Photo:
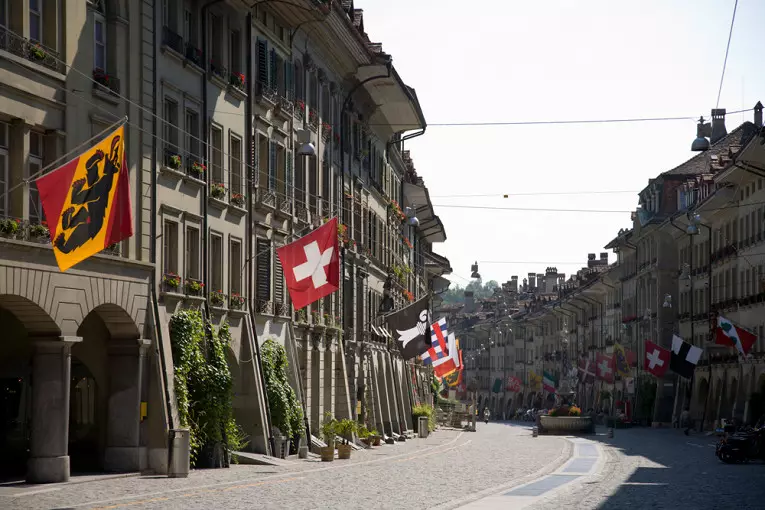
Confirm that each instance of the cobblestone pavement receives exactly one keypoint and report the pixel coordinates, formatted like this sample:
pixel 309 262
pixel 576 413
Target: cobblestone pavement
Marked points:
pixel 447 470
pixel 662 468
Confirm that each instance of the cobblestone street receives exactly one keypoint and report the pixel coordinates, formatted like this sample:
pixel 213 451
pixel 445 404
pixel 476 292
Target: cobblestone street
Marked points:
pixel 497 457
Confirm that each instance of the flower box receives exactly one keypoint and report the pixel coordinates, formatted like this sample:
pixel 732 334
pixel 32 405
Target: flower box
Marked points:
pixel 237 80
pixel 101 77
pixel 39 232
pixel 171 281
pixel 197 170
pixel 217 298
pixel 10 227
pixel 36 52
pixel 173 161
pixel 218 190
pixel 236 302
pixel 193 287
pixel 237 199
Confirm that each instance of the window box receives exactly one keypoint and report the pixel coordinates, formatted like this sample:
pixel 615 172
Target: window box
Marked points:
pixel 219 74
pixel 193 287
pixel 172 41
pixel 193 55
pixel 237 81
pixel 39 233
pixel 197 170
pixel 173 161
pixel 237 302
pixel 217 298
pixel 265 93
pixel 171 282
pixel 313 120
pixel 238 200
pixel 37 53
pixel 11 228
pixel 218 191
pixel 299 111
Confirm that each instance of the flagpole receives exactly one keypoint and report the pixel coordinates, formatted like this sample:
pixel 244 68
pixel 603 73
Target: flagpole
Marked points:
pixel 55 162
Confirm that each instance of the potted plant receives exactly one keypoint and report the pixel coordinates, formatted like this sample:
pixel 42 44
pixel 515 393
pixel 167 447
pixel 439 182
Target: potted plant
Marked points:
pixel 236 301
pixel 345 428
pixel 9 227
pixel 315 317
pixel 301 316
pixel 193 287
pixel 39 231
pixel 174 161
pixel 374 437
pixel 217 298
pixel 37 52
pixel 171 281
pixel 237 199
pixel 237 80
pixel 217 190
pixel 363 434
pixel 197 170
pixel 328 432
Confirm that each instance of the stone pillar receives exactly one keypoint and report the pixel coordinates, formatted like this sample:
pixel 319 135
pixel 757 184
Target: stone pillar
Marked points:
pixel 304 356
pixel 343 407
pixel 123 424
pixel 329 374
pixel 317 379
pixel 51 377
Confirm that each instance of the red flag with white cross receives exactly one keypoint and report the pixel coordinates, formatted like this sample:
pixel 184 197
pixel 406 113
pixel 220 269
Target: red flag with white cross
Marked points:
pixel 605 367
pixel 656 359
pixel 311 265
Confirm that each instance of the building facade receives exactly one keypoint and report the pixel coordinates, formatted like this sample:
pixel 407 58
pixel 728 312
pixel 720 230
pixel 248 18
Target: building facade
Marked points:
pixel 244 131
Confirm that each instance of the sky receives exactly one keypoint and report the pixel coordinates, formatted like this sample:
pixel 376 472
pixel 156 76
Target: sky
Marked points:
pixel 520 60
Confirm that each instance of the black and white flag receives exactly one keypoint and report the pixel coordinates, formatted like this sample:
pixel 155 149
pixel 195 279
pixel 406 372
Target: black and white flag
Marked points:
pixel 411 328
pixel 684 358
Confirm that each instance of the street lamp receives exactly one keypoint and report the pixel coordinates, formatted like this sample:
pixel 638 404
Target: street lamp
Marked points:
pixel 474 269
pixel 703 132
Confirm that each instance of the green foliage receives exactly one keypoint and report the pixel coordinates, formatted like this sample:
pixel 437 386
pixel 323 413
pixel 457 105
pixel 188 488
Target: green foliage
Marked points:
pixel 286 412
pixel 203 382
pixel 362 431
pixel 329 428
pixel 456 293
pixel 346 428
pixel 425 410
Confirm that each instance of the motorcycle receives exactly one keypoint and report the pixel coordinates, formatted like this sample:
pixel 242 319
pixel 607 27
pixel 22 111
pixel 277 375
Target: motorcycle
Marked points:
pixel 741 446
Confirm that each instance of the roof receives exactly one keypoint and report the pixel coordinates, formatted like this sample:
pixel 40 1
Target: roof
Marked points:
pixel 733 141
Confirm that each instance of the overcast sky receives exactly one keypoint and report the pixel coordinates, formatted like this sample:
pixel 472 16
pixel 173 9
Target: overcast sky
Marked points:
pixel 522 60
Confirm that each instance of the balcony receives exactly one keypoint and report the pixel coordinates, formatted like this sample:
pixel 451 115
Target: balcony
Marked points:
pixel 172 41
pixel 264 93
pixel 219 74
pixel 32 51
pixel 23 230
pixel 193 55
pixel 105 86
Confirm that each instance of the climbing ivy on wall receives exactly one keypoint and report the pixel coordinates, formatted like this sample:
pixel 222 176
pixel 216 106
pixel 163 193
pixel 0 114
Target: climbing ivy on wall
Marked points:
pixel 203 383
pixel 286 412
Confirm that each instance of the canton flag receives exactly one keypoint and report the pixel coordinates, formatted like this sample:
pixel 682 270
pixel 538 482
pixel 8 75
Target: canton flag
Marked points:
pixel 438 348
pixel 684 358
pixel 411 328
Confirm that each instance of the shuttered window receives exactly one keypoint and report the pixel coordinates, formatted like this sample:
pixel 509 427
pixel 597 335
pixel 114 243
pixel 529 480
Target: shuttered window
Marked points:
pixel 271 165
pixel 278 281
pixel 263 270
pixel 262 62
pixel 326 186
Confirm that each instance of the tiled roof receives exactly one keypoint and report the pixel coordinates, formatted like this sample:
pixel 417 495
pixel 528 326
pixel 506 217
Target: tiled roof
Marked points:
pixel 731 142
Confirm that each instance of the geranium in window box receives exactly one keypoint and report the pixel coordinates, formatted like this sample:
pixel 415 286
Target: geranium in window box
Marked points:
pixel 407 242
pixel 193 287
pixel 36 52
pixel 101 76
pixel 237 199
pixel 218 190
pixel 408 295
pixel 301 316
pixel 171 281
pixel 9 227
pixel 237 80
pixel 236 301
pixel 198 169
pixel 39 231
pixel 174 161
pixel 217 298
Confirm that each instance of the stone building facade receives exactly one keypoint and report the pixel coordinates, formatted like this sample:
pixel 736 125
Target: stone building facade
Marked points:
pixel 219 99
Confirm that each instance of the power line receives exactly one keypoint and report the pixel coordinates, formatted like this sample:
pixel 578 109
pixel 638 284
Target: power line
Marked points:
pixel 535 194
pixel 600 211
pixel 727 48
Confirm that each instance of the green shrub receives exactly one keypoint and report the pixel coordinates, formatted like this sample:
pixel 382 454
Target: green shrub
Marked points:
pixel 286 411
pixel 425 410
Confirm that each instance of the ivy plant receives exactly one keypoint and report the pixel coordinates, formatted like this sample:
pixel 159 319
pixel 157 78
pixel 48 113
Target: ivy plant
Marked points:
pixel 286 411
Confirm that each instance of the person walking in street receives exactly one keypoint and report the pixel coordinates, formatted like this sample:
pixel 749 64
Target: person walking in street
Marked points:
pixel 486 415
pixel 685 420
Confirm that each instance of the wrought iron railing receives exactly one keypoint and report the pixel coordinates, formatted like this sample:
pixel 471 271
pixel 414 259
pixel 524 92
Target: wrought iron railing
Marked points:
pixel 33 51
pixel 172 40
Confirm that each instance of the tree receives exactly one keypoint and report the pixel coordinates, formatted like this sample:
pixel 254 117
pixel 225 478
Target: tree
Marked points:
pixel 456 294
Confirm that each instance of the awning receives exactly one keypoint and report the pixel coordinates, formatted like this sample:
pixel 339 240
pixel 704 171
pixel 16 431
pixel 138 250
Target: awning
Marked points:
pixel 431 227
pixel 440 284
pixel 397 103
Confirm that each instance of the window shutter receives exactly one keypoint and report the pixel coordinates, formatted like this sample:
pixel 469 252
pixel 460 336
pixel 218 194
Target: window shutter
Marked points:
pixel 278 281
pixel 263 283
pixel 271 165
pixel 262 62
pixel 272 71
pixel 290 183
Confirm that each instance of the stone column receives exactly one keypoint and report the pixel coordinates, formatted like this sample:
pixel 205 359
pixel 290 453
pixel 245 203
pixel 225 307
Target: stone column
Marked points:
pixel 304 356
pixel 317 369
pixel 123 432
pixel 329 373
pixel 51 378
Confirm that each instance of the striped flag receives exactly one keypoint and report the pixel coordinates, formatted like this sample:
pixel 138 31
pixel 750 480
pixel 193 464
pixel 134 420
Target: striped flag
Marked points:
pixel 438 349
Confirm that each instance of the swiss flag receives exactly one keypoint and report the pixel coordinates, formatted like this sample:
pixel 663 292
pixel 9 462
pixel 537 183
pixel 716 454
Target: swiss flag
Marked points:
pixel 605 367
pixel 311 265
pixel 656 359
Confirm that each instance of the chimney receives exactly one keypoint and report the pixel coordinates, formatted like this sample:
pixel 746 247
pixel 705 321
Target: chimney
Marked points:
pixel 590 256
pixel 758 114
pixel 532 280
pixel 469 302
pixel 718 125
pixel 525 285
pixel 604 256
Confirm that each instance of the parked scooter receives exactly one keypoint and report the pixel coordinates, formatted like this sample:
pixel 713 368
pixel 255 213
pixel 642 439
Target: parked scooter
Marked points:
pixel 741 446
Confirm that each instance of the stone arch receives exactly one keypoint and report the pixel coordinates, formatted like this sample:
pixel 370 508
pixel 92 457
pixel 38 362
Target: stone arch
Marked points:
pixel 36 320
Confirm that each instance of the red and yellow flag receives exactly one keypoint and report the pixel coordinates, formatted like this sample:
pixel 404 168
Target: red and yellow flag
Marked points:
pixel 87 201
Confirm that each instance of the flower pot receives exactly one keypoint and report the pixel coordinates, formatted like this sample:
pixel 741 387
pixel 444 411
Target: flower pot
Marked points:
pixel 376 441
pixel 344 451
pixel 327 453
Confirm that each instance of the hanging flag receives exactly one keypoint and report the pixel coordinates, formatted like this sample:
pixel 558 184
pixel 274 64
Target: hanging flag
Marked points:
pixel 605 367
pixel 621 361
pixel 311 265
pixel 497 387
pixel 549 382
pixel 411 328
pixel 447 364
pixel 535 381
pixel 513 384
pixel 729 334
pixel 656 359
pixel 438 348
pixel 453 348
pixel 684 358
pixel 87 201
pixel 586 371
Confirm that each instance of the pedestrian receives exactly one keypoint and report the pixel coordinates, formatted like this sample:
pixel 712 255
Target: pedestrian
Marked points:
pixel 685 420
pixel 486 414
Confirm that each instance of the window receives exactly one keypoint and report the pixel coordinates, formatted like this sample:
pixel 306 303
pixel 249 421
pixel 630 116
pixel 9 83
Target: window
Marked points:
pixel 235 267
pixel 192 253
pixel 99 40
pixel 35 165
pixel 216 140
pixel 170 14
pixel 192 136
pixel 216 263
pixel 4 209
pixel 235 164
pixel 171 126
pixel 35 20
pixel 235 52
pixel 278 281
pixel 216 43
pixel 190 27
pixel 170 247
